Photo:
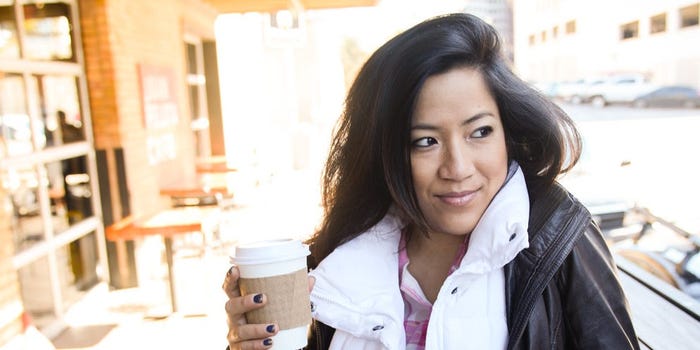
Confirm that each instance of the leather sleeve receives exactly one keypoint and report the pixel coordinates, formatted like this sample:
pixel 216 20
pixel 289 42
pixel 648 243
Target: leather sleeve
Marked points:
pixel 595 309
pixel 320 336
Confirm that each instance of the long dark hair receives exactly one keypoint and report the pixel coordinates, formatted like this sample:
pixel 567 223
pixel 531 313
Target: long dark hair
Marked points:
pixel 368 168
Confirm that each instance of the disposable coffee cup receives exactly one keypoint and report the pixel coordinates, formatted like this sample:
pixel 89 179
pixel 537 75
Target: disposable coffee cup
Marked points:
pixel 278 269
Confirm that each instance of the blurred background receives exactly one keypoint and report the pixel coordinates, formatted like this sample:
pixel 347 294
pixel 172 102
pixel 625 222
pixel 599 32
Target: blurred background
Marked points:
pixel 142 140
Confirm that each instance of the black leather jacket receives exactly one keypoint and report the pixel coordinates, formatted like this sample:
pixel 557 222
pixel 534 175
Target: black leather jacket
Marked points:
pixel 562 292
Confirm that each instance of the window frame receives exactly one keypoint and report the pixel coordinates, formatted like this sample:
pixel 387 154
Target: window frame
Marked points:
pixel 571 27
pixel 629 30
pixel 686 13
pixel 655 26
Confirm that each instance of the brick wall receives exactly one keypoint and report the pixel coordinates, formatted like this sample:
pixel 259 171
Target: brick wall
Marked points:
pixel 10 302
pixel 118 36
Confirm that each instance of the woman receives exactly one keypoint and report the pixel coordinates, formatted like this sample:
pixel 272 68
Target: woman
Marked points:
pixel 444 227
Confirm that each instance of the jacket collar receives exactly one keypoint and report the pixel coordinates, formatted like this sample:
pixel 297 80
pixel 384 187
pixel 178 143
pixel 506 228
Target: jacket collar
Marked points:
pixel 358 283
pixel 356 289
pixel 502 230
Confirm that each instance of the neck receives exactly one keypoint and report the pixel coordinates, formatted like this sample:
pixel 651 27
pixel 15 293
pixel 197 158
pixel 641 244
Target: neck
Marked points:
pixel 435 244
pixel 431 258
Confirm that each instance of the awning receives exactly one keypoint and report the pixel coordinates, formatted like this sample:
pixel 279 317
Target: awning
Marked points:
pixel 229 6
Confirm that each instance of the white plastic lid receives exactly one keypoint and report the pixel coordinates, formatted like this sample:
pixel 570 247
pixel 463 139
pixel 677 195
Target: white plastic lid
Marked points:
pixel 271 251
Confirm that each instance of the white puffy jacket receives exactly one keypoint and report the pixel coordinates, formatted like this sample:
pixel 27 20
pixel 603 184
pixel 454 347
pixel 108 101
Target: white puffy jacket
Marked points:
pixel 357 288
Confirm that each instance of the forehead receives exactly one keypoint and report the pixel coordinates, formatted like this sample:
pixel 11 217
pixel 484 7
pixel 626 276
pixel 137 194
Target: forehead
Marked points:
pixel 460 92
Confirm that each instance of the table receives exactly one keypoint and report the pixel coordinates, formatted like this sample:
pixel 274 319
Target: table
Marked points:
pixel 214 164
pixel 166 223
pixel 197 190
pixel 654 305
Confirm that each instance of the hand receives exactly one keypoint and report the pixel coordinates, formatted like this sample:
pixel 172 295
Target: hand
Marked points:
pixel 241 335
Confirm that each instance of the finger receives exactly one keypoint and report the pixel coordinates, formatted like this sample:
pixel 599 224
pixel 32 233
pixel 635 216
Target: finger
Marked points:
pixel 237 306
pixel 253 332
pixel 259 344
pixel 230 285
pixel 255 336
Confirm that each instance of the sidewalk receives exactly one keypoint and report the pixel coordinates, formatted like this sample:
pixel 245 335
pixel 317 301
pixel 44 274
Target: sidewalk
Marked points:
pixel 139 318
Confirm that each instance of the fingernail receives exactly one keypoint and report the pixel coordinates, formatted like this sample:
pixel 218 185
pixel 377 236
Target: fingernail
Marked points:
pixel 229 271
pixel 270 328
pixel 267 342
pixel 258 298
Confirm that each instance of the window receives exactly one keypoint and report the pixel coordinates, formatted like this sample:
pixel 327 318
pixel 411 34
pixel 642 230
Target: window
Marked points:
pixel 196 85
pixel 60 104
pixel 48 30
pixel 543 35
pixel 657 23
pixel 570 27
pixel 9 44
pixel 629 30
pixel 555 32
pixel 45 153
pixel 690 15
pixel 16 138
pixel 531 39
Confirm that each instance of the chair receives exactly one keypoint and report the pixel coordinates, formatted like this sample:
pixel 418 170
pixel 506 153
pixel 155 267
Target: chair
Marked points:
pixel 223 224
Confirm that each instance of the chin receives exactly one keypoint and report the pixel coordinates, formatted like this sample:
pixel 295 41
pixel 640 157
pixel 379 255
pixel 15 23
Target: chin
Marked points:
pixel 456 230
pixel 461 227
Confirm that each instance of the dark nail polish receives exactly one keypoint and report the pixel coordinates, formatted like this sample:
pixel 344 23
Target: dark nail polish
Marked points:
pixel 258 298
pixel 270 328
pixel 229 271
pixel 267 342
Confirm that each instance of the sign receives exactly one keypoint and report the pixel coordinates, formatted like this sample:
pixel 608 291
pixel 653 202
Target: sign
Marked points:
pixel 158 97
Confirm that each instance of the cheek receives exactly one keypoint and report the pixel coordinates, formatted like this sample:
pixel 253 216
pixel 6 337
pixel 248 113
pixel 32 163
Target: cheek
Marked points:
pixel 494 164
pixel 496 173
pixel 421 171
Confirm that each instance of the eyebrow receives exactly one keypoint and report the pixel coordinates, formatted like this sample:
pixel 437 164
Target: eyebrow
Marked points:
pixel 469 120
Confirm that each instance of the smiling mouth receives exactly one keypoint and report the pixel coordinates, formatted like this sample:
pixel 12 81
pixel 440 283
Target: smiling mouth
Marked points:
pixel 457 198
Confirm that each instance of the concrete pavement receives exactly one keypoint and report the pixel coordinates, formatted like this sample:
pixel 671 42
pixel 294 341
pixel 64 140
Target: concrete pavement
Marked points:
pixel 140 318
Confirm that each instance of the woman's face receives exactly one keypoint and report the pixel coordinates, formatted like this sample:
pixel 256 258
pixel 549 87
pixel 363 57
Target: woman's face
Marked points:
pixel 458 150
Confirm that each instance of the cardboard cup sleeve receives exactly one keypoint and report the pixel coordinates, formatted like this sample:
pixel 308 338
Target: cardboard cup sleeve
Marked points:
pixel 287 299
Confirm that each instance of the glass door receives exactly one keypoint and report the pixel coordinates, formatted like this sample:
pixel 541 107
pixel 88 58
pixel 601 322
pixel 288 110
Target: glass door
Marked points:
pixel 47 159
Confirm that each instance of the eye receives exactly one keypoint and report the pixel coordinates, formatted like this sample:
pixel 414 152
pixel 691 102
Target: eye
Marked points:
pixel 482 132
pixel 424 142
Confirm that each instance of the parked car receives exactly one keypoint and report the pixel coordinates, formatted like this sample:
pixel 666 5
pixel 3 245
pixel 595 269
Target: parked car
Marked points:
pixel 548 89
pixel 619 89
pixel 577 91
pixel 669 96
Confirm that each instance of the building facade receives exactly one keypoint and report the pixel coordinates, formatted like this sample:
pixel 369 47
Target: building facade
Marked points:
pixel 498 13
pixel 102 103
pixel 97 107
pixel 564 40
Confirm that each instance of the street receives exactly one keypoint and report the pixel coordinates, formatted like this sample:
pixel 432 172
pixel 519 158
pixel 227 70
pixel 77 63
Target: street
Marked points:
pixel 658 149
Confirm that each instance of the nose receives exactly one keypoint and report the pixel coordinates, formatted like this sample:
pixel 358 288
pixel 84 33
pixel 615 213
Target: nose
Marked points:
pixel 456 163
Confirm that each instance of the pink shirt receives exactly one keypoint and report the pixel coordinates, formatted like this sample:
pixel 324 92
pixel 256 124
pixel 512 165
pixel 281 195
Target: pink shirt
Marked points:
pixel 417 308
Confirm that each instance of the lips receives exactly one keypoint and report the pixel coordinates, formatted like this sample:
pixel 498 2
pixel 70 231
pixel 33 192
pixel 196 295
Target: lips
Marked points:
pixel 457 198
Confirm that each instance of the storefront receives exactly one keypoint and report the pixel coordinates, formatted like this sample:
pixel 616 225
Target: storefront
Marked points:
pixel 81 97
pixel 101 103
pixel 52 236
